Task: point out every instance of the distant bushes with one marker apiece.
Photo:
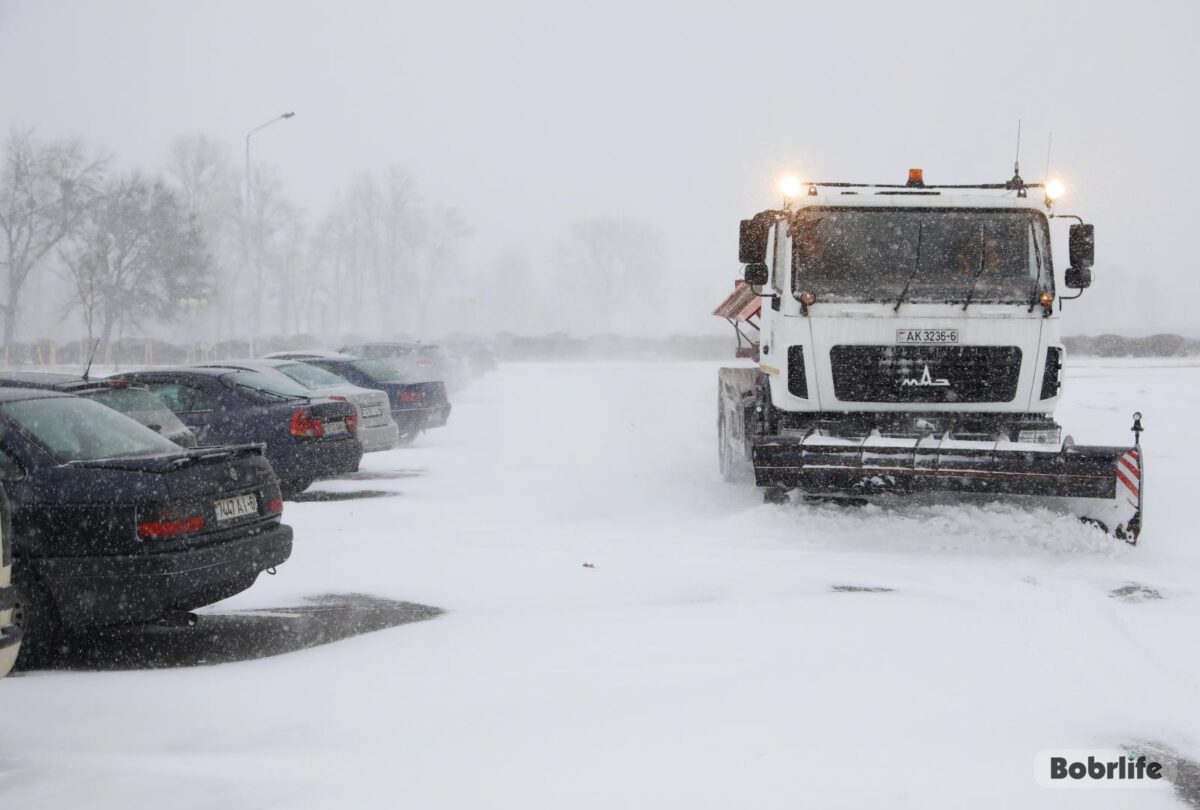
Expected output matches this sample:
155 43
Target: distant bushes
508 347
1119 346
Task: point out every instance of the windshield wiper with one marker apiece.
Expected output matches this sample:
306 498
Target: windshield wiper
1037 280
913 274
978 273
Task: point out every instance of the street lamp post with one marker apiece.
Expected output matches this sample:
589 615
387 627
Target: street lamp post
276 119
246 229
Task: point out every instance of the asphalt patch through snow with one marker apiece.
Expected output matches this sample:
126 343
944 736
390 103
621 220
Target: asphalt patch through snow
380 475
323 495
1133 592
219 638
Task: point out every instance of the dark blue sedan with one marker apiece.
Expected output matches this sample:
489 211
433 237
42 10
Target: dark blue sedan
306 438
113 523
416 405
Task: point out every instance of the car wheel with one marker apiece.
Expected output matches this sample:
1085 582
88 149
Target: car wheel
35 614
410 437
292 487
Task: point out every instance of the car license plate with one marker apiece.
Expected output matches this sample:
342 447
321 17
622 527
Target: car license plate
372 412
236 507
335 428
927 336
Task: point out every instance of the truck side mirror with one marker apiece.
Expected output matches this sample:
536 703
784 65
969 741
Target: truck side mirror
1083 246
752 239
1078 278
756 274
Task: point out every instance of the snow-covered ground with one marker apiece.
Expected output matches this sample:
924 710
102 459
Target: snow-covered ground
716 655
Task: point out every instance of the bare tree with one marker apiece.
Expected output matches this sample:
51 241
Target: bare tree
136 256
615 268
264 232
45 189
200 171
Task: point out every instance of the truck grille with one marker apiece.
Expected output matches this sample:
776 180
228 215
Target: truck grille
925 373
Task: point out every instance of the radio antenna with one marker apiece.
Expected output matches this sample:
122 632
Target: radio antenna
87 369
1049 143
1017 159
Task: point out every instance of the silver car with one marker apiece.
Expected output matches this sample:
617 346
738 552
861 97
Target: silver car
376 428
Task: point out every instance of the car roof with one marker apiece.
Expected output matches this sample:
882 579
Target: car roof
242 365
399 344
12 394
206 371
57 381
37 379
313 354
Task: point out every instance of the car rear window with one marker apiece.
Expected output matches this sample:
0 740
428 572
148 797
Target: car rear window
78 429
266 386
379 371
138 404
311 376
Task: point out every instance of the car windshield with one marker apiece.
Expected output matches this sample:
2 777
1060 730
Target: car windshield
78 429
310 376
379 371
139 404
942 255
266 386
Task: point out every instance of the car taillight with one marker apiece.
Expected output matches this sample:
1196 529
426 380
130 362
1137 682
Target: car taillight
338 397
174 527
352 423
306 426
275 506
409 397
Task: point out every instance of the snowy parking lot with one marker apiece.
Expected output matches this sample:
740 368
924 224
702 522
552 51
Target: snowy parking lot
623 629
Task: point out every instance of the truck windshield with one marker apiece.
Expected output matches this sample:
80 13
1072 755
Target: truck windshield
868 254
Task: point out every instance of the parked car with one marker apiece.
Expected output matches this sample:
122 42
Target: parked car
420 361
113 523
376 428
306 437
134 401
10 633
478 354
416 406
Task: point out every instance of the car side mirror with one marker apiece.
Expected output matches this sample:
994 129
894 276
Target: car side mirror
1078 278
1082 242
752 239
756 274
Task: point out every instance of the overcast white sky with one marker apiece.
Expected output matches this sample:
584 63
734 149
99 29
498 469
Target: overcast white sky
530 115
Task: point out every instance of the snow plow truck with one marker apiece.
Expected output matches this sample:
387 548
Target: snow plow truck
907 342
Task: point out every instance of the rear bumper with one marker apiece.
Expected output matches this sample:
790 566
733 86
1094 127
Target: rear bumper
90 591
413 419
379 437
314 458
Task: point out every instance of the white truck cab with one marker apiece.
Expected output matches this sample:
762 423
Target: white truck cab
974 329
908 342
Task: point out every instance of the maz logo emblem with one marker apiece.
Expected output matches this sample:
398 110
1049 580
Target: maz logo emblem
926 381
233 473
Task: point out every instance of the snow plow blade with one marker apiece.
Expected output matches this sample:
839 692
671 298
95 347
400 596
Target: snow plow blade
1103 484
